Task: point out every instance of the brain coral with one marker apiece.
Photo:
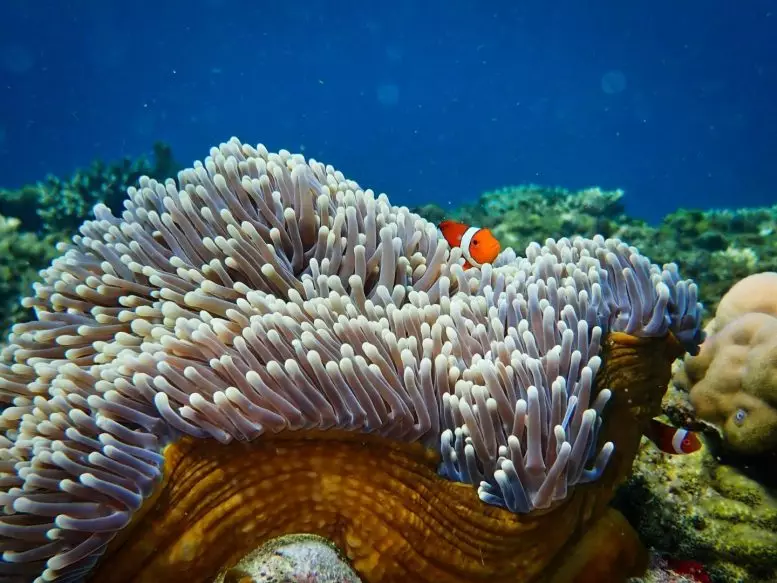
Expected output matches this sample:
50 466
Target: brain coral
264 348
754 293
733 379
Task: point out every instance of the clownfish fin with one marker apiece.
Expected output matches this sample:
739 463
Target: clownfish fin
452 231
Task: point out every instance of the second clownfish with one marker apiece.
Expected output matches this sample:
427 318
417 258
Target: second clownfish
674 440
478 245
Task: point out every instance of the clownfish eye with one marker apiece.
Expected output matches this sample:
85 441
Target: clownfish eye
739 416
475 242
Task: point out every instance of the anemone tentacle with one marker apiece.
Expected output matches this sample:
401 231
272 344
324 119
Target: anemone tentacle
264 293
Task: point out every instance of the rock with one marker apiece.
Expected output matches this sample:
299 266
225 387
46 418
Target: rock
296 558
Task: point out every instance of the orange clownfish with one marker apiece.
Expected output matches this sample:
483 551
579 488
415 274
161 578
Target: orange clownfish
672 439
478 246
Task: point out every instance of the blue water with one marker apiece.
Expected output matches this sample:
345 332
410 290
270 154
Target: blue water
425 100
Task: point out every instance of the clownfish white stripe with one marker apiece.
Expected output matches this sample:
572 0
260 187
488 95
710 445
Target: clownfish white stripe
677 440
466 242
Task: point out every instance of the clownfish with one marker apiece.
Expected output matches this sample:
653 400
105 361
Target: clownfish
672 440
478 245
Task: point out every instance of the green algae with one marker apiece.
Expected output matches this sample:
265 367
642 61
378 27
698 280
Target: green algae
695 507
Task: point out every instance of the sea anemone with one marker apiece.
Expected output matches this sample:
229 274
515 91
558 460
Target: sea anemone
264 296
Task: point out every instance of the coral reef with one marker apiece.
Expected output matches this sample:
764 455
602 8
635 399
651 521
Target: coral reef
755 293
264 348
733 383
41 215
733 379
694 507
22 255
714 247
520 214
59 206
719 506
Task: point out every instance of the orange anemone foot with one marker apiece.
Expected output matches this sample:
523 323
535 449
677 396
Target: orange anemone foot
381 503
610 551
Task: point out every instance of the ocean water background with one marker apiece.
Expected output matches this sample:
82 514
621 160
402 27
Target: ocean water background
428 101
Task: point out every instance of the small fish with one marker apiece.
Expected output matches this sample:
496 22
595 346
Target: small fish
689 568
672 439
478 245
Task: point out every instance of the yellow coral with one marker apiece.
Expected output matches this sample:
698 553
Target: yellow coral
733 379
755 293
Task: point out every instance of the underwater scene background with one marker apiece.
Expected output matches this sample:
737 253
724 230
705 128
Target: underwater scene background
594 401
